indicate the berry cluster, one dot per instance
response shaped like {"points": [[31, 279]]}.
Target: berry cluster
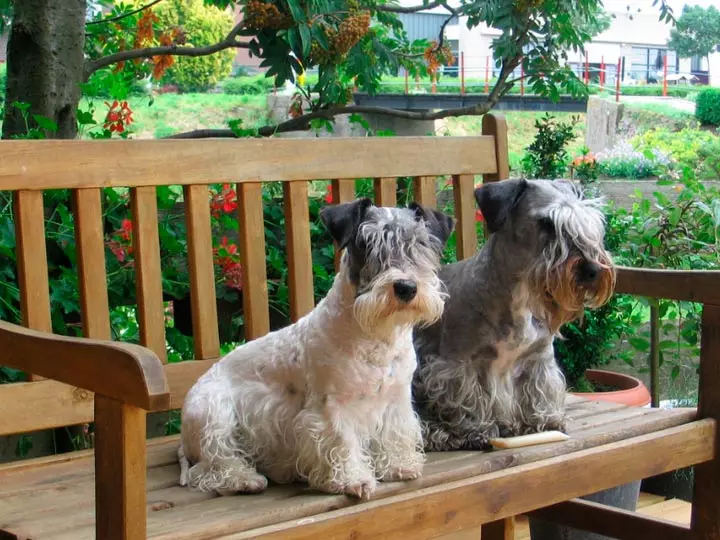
{"points": [[350, 31], [340, 41], [260, 15], [437, 56]]}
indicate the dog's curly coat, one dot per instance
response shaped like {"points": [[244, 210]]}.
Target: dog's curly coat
{"points": [[328, 399], [488, 367]]}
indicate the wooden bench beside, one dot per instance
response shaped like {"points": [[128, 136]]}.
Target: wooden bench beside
{"points": [[127, 488]]}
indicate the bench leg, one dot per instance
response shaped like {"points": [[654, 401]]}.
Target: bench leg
{"points": [[502, 529], [120, 471], [705, 522]]}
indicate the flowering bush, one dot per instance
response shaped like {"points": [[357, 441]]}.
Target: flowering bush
{"points": [[682, 146], [624, 161], [584, 167]]}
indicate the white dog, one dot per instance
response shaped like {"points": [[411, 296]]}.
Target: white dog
{"points": [[328, 399]]}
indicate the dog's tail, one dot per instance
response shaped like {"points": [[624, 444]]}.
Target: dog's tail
{"points": [[184, 465]]}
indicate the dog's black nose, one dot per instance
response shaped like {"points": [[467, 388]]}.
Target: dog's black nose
{"points": [[589, 271], [405, 289]]}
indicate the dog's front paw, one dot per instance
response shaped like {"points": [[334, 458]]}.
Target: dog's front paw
{"points": [[363, 490], [400, 473], [245, 483]]}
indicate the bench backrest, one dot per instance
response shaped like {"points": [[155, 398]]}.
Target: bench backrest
{"points": [[28, 168]]}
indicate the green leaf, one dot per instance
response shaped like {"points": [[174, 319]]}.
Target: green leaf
{"points": [[640, 344], [297, 11], [675, 372], [45, 123], [306, 40], [85, 118]]}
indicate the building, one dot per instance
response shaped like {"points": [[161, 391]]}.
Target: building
{"points": [[636, 38]]}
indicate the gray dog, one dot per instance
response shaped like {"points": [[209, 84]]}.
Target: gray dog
{"points": [[488, 368]]}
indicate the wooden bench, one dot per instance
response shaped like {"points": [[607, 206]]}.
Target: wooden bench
{"points": [[127, 487]]}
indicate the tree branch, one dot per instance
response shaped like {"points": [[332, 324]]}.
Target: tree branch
{"points": [[229, 42], [124, 15], [411, 9], [302, 123]]}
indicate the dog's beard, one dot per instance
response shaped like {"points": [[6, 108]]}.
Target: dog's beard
{"points": [[563, 297], [379, 311]]}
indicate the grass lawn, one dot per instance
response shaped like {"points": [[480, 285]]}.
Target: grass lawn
{"points": [[521, 130], [173, 113]]}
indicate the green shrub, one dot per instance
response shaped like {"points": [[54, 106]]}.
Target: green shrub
{"points": [[547, 156], [203, 25], [709, 155], [259, 85], [682, 146], [707, 107]]}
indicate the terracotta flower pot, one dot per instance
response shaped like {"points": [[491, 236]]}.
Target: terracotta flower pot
{"points": [[632, 391]]}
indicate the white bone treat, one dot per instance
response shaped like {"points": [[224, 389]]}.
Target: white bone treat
{"points": [[529, 440]]}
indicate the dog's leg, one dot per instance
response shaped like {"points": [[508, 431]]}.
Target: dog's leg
{"points": [[397, 450], [210, 442], [456, 407], [331, 454], [540, 390]]}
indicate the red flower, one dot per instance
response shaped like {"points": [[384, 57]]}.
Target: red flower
{"points": [[125, 231], [479, 216], [329, 195], [226, 256], [118, 117], [224, 202]]}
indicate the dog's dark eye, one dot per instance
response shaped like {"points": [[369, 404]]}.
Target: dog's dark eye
{"points": [[546, 224]]}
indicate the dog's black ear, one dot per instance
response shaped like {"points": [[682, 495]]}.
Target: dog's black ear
{"points": [[343, 220], [496, 201], [440, 225]]}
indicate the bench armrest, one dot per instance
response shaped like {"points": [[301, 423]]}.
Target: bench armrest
{"points": [[127, 373], [701, 286]]}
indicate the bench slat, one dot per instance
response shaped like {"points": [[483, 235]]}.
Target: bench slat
{"points": [[146, 243], [425, 191], [495, 125], [463, 187], [385, 191], [32, 262], [91, 263], [299, 253], [252, 256], [179, 513], [343, 190], [77, 164], [202, 273]]}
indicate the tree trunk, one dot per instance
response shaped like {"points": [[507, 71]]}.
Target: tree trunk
{"points": [[45, 64]]}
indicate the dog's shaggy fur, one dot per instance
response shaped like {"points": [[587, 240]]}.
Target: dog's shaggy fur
{"points": [[327, 400], [488, 368]]}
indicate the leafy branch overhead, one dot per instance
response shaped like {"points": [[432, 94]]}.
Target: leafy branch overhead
{"points": [[351, 43]]}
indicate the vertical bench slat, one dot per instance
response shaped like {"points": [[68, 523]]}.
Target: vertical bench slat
{"points": [[385, 191], [299, 254], [495, 126], [120, 470], [343, 190], [146, 244], [32, 262], [425, 191], [202, 274], [463, 187], [705, 521], [252, 256], [90, 243]]}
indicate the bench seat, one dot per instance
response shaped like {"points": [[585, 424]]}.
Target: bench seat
{"points": [[53, 498]]}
